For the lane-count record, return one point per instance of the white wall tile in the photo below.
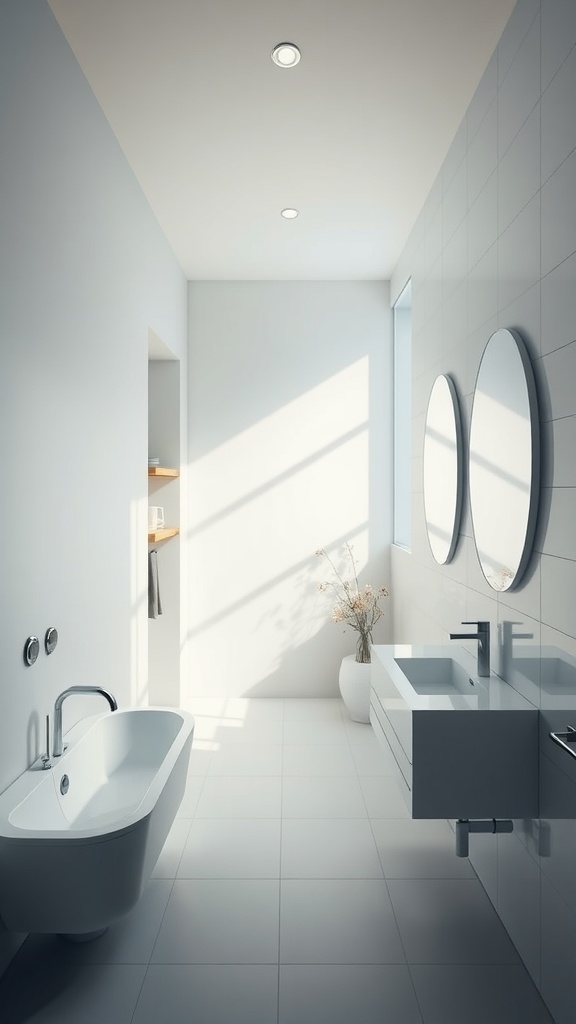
(455, 202)
(560, 537)
(434, 239)
(519, 91)
(483, 290)
(559, 593)
(526, 598)
(559, 215)
(523, 315)
(483, 99)
(519, 23)
(558, 123)
(559, 373)
(482, 156)
(519, 170)
(454, 159)
(558, 31)
(455, 322)
(519, 254)
(559, 306)
(454, 261)
(483, 221)
(559, 446)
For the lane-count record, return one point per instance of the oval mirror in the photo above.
(442, 469)
(504, 460)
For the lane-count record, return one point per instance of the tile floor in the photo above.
(293, 889)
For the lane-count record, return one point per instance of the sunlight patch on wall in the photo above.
(260, 506)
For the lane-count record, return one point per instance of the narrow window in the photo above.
(403, 417)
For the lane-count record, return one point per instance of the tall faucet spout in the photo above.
(483, 638)
(57, 745)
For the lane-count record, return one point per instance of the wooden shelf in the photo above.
(163, 534)
(162, 471)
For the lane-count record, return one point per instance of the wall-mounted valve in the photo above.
(464, 827)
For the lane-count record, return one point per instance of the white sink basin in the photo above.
(436, 675)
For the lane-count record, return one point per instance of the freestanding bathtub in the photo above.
(78, 841)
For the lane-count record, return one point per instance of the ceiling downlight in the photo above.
(289, 213)
(286, 55)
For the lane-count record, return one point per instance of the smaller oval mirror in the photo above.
(504, 460)
(442, 469)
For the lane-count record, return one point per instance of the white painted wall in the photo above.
(289, 450)
(495, 246)
(84, 273)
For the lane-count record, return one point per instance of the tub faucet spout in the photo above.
(483, 638)
(57, 750)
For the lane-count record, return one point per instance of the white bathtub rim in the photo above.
(25, 784)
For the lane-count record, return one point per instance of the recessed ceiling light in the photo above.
(289, 213)
(286, 55)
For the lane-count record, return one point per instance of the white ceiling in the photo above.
(221, 139)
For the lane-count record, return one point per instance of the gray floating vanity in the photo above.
(464, 746)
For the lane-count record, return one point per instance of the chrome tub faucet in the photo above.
(57, 749)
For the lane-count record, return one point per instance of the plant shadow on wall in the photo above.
(303, 622)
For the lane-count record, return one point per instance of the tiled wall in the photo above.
(495, 246)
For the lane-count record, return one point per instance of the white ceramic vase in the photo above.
(354, 682)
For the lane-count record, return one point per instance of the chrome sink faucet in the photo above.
(483, 638)
(57, 749)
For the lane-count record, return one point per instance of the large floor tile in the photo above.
(478, 994)
(220, 921)
(382, 797)
(418, 849)
(247, 759)
(243, 709)
(449, 922)
(342, 994)
(322, 797)
(315, 731)
(313, 709)
(338, 922)
(209, 994)
(232, 848)
(232, 731)
(40, 991)
(169, 859)
(315, 759)
(329, 848)
(370, 758)
(225, 796)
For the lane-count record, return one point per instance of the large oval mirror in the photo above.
(442, 469)
(504, 461)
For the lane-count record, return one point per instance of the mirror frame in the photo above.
(444, 553)
(533, 429)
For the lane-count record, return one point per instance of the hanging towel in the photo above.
(154, 602)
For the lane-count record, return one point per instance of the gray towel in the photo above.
(154, 602)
